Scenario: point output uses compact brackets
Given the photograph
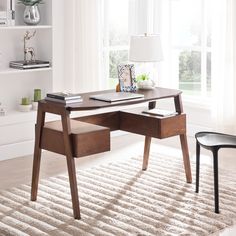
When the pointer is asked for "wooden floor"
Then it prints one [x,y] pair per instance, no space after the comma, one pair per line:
[18,171]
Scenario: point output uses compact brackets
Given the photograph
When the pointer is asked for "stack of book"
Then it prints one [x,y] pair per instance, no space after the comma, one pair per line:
[65,98]
[7,13]
[22,65]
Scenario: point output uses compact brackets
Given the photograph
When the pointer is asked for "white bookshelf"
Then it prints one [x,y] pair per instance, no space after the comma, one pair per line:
[11,49]
[17,128]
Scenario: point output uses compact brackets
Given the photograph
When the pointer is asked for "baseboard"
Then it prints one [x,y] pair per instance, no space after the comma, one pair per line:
[14,150]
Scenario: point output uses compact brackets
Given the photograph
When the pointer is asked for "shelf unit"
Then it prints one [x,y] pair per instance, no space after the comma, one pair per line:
[21,83]
[17,128]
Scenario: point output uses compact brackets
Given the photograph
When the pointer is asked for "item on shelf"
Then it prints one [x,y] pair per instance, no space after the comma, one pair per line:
[25,105]
[7,16]
[29,50]
[64,95]
[3,18]
[29,64]
[160,112]
[11,13]
[3,110]
[144,82]
[70,101]
[31,12]
[37,97]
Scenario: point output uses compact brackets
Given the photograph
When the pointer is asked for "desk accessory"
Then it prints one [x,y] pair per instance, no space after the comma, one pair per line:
[144,82]
[116,97]
[64,95]
[126,76]
[146,49]
[160,112]
[70,101]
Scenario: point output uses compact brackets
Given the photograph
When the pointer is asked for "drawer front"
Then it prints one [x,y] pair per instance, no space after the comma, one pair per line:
[82,144]
[153,126]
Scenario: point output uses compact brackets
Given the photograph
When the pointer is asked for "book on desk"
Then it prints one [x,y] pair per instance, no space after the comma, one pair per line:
[64,98]
[160,112]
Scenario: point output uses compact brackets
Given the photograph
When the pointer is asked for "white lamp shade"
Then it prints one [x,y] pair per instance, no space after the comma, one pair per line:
[145,48]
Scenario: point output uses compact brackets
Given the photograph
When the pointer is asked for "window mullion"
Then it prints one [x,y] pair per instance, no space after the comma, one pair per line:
[204,50]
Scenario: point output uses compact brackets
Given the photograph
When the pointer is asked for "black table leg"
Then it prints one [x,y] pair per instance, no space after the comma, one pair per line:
[197,165]
[216,183]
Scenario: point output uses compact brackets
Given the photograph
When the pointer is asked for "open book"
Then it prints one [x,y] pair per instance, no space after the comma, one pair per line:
[160,112]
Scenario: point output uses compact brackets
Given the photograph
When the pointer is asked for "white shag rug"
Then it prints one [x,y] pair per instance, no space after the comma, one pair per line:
[120,199]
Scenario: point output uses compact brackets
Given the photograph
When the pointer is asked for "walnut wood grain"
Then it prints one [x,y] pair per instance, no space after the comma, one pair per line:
[37,153]
[89,104]
[183,141]
[86,138]
[146,151]
[110,120]
[74,141]
[70,163]
[135,121]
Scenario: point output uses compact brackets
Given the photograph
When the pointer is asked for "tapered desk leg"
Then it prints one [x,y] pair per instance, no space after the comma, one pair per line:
[70,164]
[187,167]
[146,152]
[147,143]
[37,153]
[184,143]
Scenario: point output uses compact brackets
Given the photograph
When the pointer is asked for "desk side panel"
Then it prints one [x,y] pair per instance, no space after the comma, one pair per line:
[152,126]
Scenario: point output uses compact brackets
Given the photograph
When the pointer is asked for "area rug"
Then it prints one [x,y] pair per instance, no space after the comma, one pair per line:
[120,199]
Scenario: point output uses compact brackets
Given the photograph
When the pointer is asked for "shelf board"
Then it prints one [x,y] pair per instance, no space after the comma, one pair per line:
[13,71]
[25,27]
[14,117]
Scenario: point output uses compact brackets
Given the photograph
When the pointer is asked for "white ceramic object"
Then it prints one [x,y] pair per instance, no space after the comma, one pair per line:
[25,108]
[35,106]
[146,84]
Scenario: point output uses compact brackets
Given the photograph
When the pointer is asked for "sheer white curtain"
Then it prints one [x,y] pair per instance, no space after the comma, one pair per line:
[84,46]
[152,17]
[224,65]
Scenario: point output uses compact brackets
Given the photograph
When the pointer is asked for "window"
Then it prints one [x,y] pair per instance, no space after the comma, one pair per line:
[190,22]
[116,42]
[189,34]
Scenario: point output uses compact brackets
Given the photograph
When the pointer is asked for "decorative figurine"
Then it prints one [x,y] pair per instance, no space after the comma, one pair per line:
[29,50]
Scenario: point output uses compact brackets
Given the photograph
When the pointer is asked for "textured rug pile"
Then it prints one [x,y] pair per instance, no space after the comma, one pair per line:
[120,199]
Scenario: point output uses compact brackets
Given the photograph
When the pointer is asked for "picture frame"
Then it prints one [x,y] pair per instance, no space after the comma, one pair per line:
[126,76]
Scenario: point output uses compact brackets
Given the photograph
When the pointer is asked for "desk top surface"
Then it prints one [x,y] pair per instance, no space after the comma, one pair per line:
[89,104]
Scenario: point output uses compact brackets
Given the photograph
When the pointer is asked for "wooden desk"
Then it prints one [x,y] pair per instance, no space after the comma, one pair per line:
[131,121]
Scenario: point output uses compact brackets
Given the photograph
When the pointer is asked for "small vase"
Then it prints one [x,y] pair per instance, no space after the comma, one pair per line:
[32,15]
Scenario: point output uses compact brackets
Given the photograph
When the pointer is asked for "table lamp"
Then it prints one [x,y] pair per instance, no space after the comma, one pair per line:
[145,48]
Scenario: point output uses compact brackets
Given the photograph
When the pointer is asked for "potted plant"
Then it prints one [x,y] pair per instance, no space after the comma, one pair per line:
[37,97]
[25,104]
[31,13]
[144,82]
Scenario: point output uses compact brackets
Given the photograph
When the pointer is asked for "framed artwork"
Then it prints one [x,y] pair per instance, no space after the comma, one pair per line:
[126,76]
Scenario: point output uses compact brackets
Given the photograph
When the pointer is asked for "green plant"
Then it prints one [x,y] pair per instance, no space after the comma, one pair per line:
[37,95]
[25,101]
[30,2]
[142,77]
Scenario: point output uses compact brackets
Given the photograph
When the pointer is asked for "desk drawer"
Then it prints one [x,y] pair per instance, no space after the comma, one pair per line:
[153,126]
[86,139]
